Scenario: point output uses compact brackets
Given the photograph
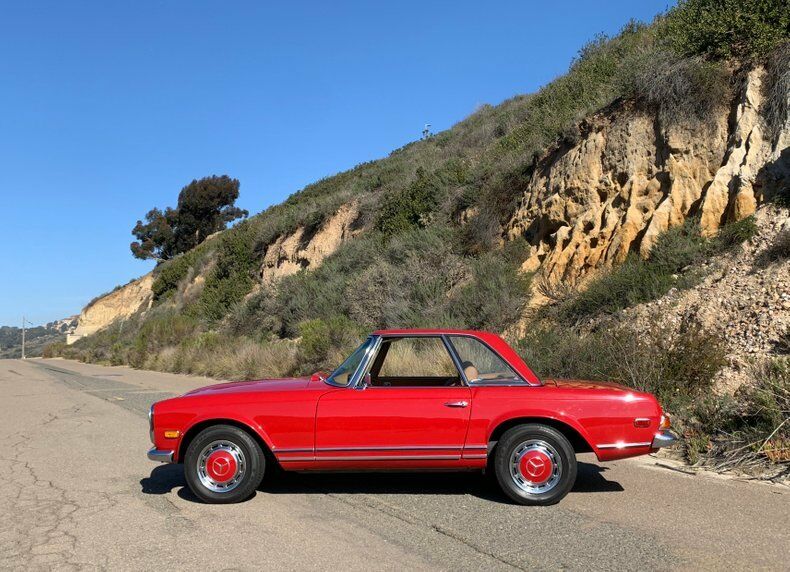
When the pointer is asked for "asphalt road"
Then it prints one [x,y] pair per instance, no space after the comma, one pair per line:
[78,493]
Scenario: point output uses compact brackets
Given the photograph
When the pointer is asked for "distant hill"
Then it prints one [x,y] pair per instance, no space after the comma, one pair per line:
[36,338]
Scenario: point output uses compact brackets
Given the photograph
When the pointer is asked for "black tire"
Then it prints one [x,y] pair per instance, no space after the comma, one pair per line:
[540,450]
[228,449]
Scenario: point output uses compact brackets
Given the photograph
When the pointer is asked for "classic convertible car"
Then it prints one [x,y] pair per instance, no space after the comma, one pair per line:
[407,400]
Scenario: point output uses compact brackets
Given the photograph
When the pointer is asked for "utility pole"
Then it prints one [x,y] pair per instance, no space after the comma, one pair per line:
[24,321]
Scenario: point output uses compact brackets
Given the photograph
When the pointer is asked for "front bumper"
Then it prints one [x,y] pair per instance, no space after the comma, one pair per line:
[160,455]
[664,439]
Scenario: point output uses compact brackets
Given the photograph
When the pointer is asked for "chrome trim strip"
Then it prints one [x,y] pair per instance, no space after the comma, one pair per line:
[475,456]
[622,445]
[403,448]
[462,449]
[160,455]
[392,458]
[289,459]
[664,439]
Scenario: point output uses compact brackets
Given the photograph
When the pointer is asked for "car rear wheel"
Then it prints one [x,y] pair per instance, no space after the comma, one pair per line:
[223,464]
[535,464]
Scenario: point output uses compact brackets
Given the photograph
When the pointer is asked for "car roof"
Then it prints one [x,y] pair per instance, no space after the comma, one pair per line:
[418,331]
[493,340]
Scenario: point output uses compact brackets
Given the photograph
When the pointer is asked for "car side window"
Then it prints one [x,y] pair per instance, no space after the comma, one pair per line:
[480,363]
[414,362]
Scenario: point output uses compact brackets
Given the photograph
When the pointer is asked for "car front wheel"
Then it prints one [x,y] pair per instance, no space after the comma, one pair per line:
[223,464]
[535,464]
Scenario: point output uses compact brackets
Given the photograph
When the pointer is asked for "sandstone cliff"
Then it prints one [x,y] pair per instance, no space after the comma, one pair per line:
[631,177]
[292,252]
[119,304]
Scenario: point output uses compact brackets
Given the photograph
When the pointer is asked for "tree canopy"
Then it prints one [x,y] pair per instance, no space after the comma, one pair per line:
[205,206]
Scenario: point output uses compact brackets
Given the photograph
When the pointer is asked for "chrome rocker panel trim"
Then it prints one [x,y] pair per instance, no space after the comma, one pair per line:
[622,445]
[160,455]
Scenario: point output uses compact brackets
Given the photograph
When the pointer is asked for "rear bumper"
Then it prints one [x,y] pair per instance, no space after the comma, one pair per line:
[160,455]
[664,439]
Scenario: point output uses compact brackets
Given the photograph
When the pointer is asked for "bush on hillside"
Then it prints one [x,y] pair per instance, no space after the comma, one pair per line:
[676,366]
[750,430]
[323,345]
[411,207]
[685,90]
[726,28]
[638,280]
[232,276]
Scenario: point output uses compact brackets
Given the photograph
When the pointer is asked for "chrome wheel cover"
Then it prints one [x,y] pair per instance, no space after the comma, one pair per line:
[545,453]
[227,451]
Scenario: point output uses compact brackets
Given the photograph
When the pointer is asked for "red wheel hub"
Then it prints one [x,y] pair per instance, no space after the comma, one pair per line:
[221,466]
[536,467]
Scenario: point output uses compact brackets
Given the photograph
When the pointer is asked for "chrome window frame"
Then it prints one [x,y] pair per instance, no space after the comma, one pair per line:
[373,342]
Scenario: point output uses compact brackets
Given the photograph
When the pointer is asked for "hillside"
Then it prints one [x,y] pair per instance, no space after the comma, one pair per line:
[36,338]
[603,223]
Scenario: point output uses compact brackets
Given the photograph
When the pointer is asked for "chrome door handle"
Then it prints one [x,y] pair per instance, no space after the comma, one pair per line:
[457,404]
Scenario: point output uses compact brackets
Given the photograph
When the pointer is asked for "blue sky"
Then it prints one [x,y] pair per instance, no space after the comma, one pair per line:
[109,108]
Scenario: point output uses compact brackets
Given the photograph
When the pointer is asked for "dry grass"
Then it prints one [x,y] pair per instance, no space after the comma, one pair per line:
[227,358]
[418,357]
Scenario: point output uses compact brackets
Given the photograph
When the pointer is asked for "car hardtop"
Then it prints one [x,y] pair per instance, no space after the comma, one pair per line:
[492,341]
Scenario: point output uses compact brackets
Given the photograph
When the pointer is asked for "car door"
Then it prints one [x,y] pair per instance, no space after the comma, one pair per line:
[411,410]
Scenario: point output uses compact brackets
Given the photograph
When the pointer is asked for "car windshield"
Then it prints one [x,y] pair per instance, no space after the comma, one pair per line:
[343,374]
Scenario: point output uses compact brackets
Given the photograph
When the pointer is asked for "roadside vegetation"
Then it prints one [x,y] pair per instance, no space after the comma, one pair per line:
[431,251]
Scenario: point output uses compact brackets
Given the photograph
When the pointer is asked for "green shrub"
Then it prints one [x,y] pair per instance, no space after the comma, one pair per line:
[409,208]
[736,233]
[232,276]
[677,366]
[638,280]
[726,28]
[164,328]
[495,296]
[324,344]
[169,275]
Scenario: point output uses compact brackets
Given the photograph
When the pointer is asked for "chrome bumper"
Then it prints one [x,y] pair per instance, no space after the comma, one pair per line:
[160,455]
[664,439]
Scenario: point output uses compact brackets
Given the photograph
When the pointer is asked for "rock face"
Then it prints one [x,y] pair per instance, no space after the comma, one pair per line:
[630,178]
[745,299]
[291,253]
[117,305]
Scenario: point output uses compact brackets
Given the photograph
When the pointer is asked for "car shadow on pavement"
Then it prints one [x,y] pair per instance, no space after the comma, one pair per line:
[166,478]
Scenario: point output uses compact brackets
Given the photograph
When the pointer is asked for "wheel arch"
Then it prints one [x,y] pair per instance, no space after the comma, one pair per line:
[195,429]
[577,440]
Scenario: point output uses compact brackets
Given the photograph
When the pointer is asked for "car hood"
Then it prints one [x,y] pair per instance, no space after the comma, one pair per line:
[586,384]
[261,385]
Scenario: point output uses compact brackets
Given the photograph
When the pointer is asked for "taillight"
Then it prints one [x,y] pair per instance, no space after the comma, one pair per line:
[664,424]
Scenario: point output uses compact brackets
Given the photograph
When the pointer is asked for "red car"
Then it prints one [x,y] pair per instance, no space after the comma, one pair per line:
[407,399]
